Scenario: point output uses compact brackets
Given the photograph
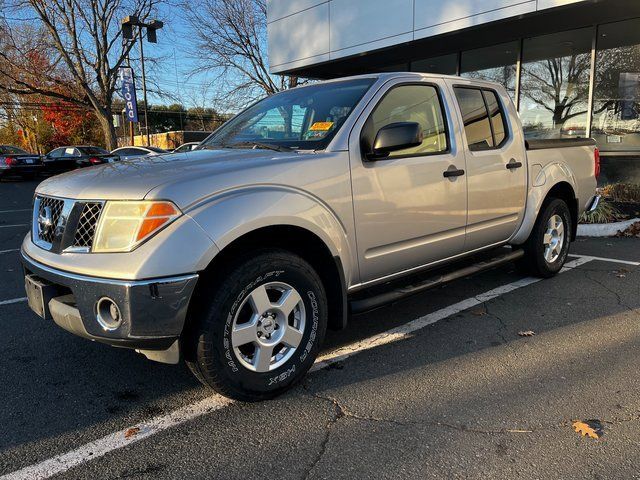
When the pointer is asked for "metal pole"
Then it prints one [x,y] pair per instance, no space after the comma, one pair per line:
[144,88]
[592,81]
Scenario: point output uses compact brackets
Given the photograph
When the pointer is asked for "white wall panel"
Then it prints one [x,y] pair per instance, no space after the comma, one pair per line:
[435,12]
[301,36]
[307,32]
[281,8]
[356,22]
[478,19]
[542,4]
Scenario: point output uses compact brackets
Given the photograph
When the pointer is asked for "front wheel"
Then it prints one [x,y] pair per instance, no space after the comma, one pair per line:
[547,247]
[258,331]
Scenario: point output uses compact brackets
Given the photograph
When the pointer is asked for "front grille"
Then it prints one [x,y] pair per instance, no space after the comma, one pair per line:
[63,225]
[87,224]
[55,206]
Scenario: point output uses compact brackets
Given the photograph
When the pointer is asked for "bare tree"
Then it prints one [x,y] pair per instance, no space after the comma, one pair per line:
[230,42]
[559,85]
[72,56]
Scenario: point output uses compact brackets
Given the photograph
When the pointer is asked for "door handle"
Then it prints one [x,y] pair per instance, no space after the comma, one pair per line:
[453,172]
[513,164]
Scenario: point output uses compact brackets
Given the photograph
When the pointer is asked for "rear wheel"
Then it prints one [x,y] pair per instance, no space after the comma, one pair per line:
[547,247]
[259,331]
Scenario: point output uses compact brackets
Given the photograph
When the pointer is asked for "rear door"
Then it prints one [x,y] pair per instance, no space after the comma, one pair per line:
[496,166]
[407,213]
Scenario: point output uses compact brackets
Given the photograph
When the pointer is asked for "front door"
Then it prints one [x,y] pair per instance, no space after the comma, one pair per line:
[407,212]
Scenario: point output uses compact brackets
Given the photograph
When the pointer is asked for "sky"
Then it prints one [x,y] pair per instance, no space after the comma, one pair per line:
[172,73]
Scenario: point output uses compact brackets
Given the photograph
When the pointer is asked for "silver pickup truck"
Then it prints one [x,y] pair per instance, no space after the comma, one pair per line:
[310,205]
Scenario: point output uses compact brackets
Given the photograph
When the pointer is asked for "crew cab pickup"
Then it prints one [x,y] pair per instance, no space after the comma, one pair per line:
[314,203]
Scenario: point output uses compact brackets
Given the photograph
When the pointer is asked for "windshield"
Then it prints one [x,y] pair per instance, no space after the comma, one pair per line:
[156,150]
[9,150]
[304,118]
[93,151]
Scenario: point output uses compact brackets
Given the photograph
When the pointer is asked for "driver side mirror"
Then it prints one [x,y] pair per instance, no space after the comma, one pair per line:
[394,137]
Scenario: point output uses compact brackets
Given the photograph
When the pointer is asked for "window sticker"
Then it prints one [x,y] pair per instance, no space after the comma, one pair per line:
[321,127]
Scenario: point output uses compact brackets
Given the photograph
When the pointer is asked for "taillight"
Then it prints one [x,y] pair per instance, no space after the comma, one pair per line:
[95,161]
[596,161]
[10,161]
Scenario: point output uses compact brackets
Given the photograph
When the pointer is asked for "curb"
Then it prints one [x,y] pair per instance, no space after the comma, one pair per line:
[604,229]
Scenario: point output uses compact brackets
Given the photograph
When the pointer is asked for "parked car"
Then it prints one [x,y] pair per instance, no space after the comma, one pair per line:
[130,153]
[16,162]
[63,159]
[237,257]
[186,147]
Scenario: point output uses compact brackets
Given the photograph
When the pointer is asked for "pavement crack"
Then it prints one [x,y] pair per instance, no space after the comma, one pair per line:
[604,286]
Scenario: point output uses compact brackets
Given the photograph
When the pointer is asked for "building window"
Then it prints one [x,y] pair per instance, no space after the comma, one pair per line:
[495,64]
[414,103]
[616,102]
[445,65]
[554,93]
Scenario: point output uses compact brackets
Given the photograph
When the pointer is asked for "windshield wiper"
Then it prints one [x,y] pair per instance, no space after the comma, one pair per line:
[255,145]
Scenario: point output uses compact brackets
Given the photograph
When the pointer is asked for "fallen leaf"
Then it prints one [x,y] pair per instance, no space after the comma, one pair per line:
[478,312]
[621,272]
[131,432]
[527,333]
[589,428]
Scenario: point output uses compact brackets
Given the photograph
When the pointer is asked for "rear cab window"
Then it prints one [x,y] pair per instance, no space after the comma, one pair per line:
[484,118]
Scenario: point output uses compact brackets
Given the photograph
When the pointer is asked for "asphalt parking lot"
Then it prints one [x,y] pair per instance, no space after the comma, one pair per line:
[438,386]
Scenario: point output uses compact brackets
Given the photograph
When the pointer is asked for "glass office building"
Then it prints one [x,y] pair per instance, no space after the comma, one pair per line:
[583,82]
[571,66]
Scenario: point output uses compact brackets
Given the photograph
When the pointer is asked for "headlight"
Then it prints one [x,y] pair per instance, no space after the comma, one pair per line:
[125,225]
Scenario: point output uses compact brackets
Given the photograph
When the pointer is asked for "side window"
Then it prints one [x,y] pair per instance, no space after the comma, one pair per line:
[497,117]
[483,117]
[477,126]
[57,153]
[414,103]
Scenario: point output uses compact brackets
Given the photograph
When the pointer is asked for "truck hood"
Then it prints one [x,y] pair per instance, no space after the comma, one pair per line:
[134,179]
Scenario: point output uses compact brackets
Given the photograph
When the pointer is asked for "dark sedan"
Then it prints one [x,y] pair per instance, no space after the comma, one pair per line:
[63,159]
[15,162]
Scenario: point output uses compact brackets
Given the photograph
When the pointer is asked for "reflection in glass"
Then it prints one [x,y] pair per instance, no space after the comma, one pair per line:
[555,84]
[616,104]
[446,65]
[495,64]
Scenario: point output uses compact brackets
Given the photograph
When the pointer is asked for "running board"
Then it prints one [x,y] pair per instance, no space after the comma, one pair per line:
[370,303]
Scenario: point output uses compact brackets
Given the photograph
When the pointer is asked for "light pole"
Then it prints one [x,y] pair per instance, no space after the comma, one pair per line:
[127,34]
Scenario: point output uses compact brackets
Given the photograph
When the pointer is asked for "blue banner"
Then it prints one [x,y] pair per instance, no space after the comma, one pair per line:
[128,92]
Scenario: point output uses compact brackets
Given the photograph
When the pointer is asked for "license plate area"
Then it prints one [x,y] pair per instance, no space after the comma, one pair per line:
[39,293]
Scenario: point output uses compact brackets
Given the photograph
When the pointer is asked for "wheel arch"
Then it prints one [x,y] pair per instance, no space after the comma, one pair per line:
[299,241]
[540,195]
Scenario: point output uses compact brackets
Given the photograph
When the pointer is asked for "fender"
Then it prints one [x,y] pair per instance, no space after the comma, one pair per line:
[231,214]
[548,177]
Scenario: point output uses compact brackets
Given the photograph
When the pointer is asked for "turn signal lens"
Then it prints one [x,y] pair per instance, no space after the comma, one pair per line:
[10,161]
[125,225]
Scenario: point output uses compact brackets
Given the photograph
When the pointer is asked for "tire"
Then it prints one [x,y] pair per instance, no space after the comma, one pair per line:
[547,247]
[239,319]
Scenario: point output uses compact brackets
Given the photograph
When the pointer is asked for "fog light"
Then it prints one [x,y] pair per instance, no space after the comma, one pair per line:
[108,314]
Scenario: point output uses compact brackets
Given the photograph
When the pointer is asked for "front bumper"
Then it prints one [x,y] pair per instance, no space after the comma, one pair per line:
[153,311]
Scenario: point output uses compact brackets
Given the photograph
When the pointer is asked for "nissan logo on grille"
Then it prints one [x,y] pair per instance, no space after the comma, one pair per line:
[45,222]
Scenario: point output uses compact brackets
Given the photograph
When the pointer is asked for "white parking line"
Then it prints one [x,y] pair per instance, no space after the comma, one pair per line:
[8,251]
[17,210]
[13,300]
[117,440]
[406,330]
[18,225]
[605,259]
